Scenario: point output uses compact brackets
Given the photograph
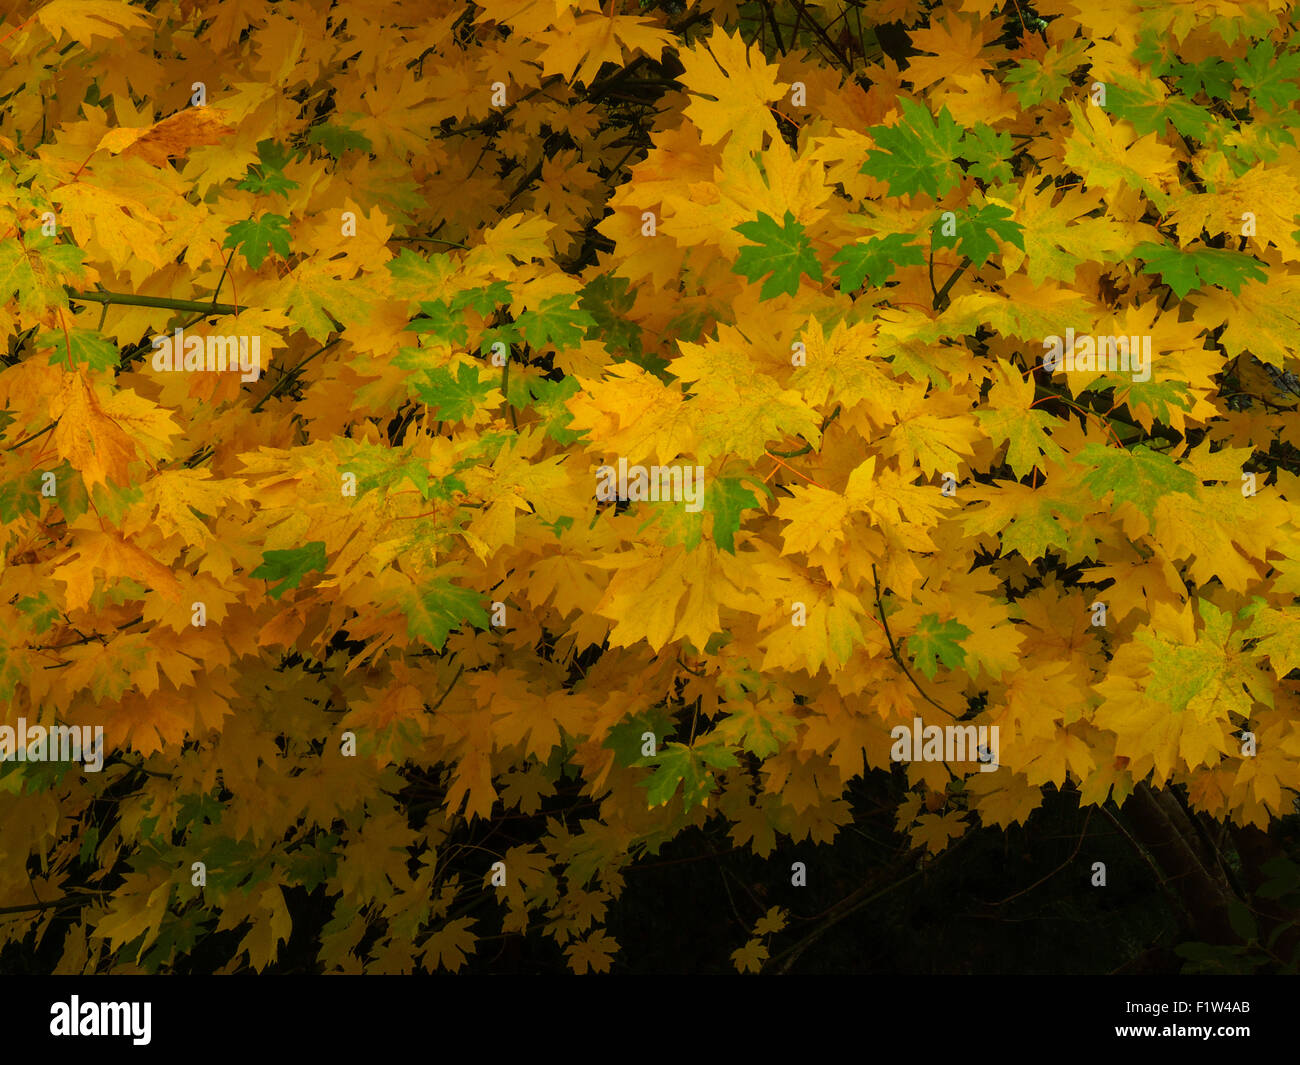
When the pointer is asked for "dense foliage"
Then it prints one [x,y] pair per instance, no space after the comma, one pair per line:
[360,625]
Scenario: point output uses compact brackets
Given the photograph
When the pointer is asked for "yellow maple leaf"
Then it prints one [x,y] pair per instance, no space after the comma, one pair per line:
[957,44]
[173,136]
[742,85]
[119,226]
[577,48]
[750,957]
[1108,157]
[84,20]
[593,953]
[447,947]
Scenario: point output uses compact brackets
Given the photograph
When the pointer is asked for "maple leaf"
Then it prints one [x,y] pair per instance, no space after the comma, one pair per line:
[959,44]
[1147,107]
[554,322]
[118,559]
[256,237]
[316,299]
[875,260]
[439,608]
[741,84]
[442,320]
[448,946]
[725,498]
[337,139]
[172,136]
[918,154]
[750,957]
[453,397]
[1269,76]
[759,728]
[270,927]
[267,174]
[1108,158]
[83,20]
[771,922]
[135,914]
[1136,475]
[290,566]
[934,641]
[676,763]
[593,953]
[783,251]
[92,432]
[1013,420]
[576,49]
[973,227]
[81,346]
[36,269]
[123,226]
[1278,633]
[935,832]
[1185,270]
[1171,693]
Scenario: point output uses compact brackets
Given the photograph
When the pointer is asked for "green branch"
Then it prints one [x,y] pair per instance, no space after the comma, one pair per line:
[128,299]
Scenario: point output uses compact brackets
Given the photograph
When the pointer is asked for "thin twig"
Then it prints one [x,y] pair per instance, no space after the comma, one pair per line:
[893,649]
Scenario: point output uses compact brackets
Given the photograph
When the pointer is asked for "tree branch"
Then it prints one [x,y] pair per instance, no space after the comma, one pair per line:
[128,299]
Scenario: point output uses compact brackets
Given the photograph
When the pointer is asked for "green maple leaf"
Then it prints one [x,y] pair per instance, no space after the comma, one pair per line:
[484,298]
[414,276]
[547,398]
[725,498]
[782,251]
[758,727]
[453,398]
[556,322]
[1278,632]
[988,153]
[875,260]
[1161,396]
[289,567]
[1183,271]
[973,228]
[505,333]
[1139,102]
[267,175]
[312,864]
[88,347]
[936,641]
[1270,78]
[440,608]
[919,154]
[607,299]
[1136,475]
[20,496]
[338,139]
[689,766]
[1211,76]
[442,321]
[377,467]
[1026,434]
[37,268]
[626,738]
[254,237]
[310,297]
[41,611]
[1033,83]
[1155,50]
